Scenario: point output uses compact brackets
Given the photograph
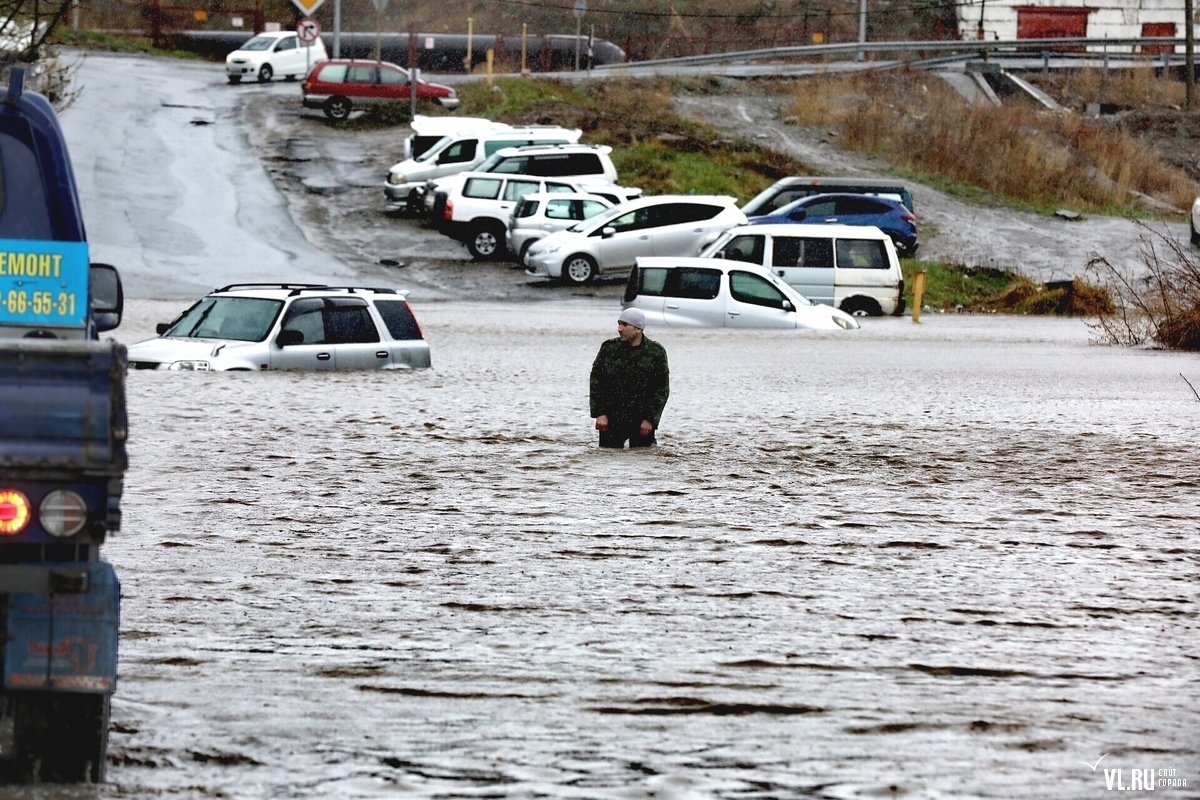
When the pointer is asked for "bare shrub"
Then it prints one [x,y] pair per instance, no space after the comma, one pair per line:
[1160,305]
[1140,86]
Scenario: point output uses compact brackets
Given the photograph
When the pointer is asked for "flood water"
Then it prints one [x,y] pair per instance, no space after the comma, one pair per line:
[952,560]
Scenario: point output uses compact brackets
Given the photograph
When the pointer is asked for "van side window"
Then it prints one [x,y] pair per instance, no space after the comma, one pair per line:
[334,73]
[361,74]
[459,152]
[861,254]
[746,287]
[796,251]
[651,281]
[693,283]
[745,248]
[392,77]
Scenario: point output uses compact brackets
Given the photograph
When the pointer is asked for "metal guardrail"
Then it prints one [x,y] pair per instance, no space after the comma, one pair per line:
[982,46]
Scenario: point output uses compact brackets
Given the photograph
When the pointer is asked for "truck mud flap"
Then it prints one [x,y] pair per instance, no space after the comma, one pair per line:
[65,642]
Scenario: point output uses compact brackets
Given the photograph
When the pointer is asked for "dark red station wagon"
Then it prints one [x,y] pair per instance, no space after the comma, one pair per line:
[339,86]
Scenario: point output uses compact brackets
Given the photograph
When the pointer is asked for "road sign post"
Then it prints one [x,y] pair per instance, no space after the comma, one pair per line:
[579,10]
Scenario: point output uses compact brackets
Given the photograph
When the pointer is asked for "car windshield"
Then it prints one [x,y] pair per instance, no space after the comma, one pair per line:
[490,162]
[432,152]
[240,319]
[259,43]
[597,222]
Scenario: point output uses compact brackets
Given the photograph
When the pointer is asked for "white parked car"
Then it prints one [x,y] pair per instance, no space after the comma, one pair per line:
[538,215]
[461,151]
[478,211]
[718,293]
[591,161]
[271,55]
[1196,221]
[258,326]
[666,225]
[852,267]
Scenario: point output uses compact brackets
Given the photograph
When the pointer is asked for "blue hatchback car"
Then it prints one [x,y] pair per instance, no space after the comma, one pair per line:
[889,216]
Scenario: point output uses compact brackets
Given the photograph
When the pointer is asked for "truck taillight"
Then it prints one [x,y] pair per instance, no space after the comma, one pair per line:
[14,512]
[63,513]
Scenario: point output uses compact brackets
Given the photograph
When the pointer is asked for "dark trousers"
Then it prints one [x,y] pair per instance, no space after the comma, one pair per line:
[617,435]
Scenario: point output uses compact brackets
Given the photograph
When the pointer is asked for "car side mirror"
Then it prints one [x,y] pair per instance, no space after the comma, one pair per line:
[162,328]
[107,296]
[719,254]
[288,338]
[797,215]
[608,232]
[787,306]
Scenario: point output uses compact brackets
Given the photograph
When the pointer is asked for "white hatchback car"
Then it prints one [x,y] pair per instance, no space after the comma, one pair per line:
[718,293]
[259,326]
[666,225]
[271,55]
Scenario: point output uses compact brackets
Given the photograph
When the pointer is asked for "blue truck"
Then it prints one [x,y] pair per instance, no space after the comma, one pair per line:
[62,457]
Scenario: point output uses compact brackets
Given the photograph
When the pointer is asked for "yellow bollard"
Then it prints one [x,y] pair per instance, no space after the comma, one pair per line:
[491,58]
[918,294]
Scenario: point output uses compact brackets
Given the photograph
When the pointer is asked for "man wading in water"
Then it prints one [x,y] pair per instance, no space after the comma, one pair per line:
[630,384]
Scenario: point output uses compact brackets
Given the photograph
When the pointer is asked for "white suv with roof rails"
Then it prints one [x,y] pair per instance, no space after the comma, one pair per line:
[592,161]
[260,326]
[477,213]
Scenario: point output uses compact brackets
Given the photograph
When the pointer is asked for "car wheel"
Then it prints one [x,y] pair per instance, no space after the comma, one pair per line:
[235,79]
[528,243]
[861,307]
[486,242]
[265,74]
[579,269]
[1195,233]
[337,108]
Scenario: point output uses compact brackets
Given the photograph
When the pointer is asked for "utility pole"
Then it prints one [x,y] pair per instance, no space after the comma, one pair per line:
[1190,51]
[862,30]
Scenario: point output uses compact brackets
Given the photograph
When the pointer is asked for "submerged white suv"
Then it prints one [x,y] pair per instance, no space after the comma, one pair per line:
[259,326]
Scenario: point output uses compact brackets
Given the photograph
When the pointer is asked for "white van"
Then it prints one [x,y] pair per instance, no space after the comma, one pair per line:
[272,55]
[850,267]
[462,151]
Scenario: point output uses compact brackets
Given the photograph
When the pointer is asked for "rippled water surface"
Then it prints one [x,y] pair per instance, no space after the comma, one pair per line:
[951,560]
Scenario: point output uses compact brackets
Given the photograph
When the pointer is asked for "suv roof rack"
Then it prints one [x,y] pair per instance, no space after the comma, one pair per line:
[272,285]
[350,289]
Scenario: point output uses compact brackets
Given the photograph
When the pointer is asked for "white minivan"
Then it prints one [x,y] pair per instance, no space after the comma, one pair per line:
[850,267]
[462,151]
[271,55]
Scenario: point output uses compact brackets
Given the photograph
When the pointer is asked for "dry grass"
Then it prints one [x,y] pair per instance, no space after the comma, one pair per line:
[1130,87]
[1018,153]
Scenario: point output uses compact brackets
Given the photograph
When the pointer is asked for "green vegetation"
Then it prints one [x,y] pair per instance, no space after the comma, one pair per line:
[115,43]
[956,287]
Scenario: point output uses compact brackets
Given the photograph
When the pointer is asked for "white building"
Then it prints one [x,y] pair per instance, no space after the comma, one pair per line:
[1113,19]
